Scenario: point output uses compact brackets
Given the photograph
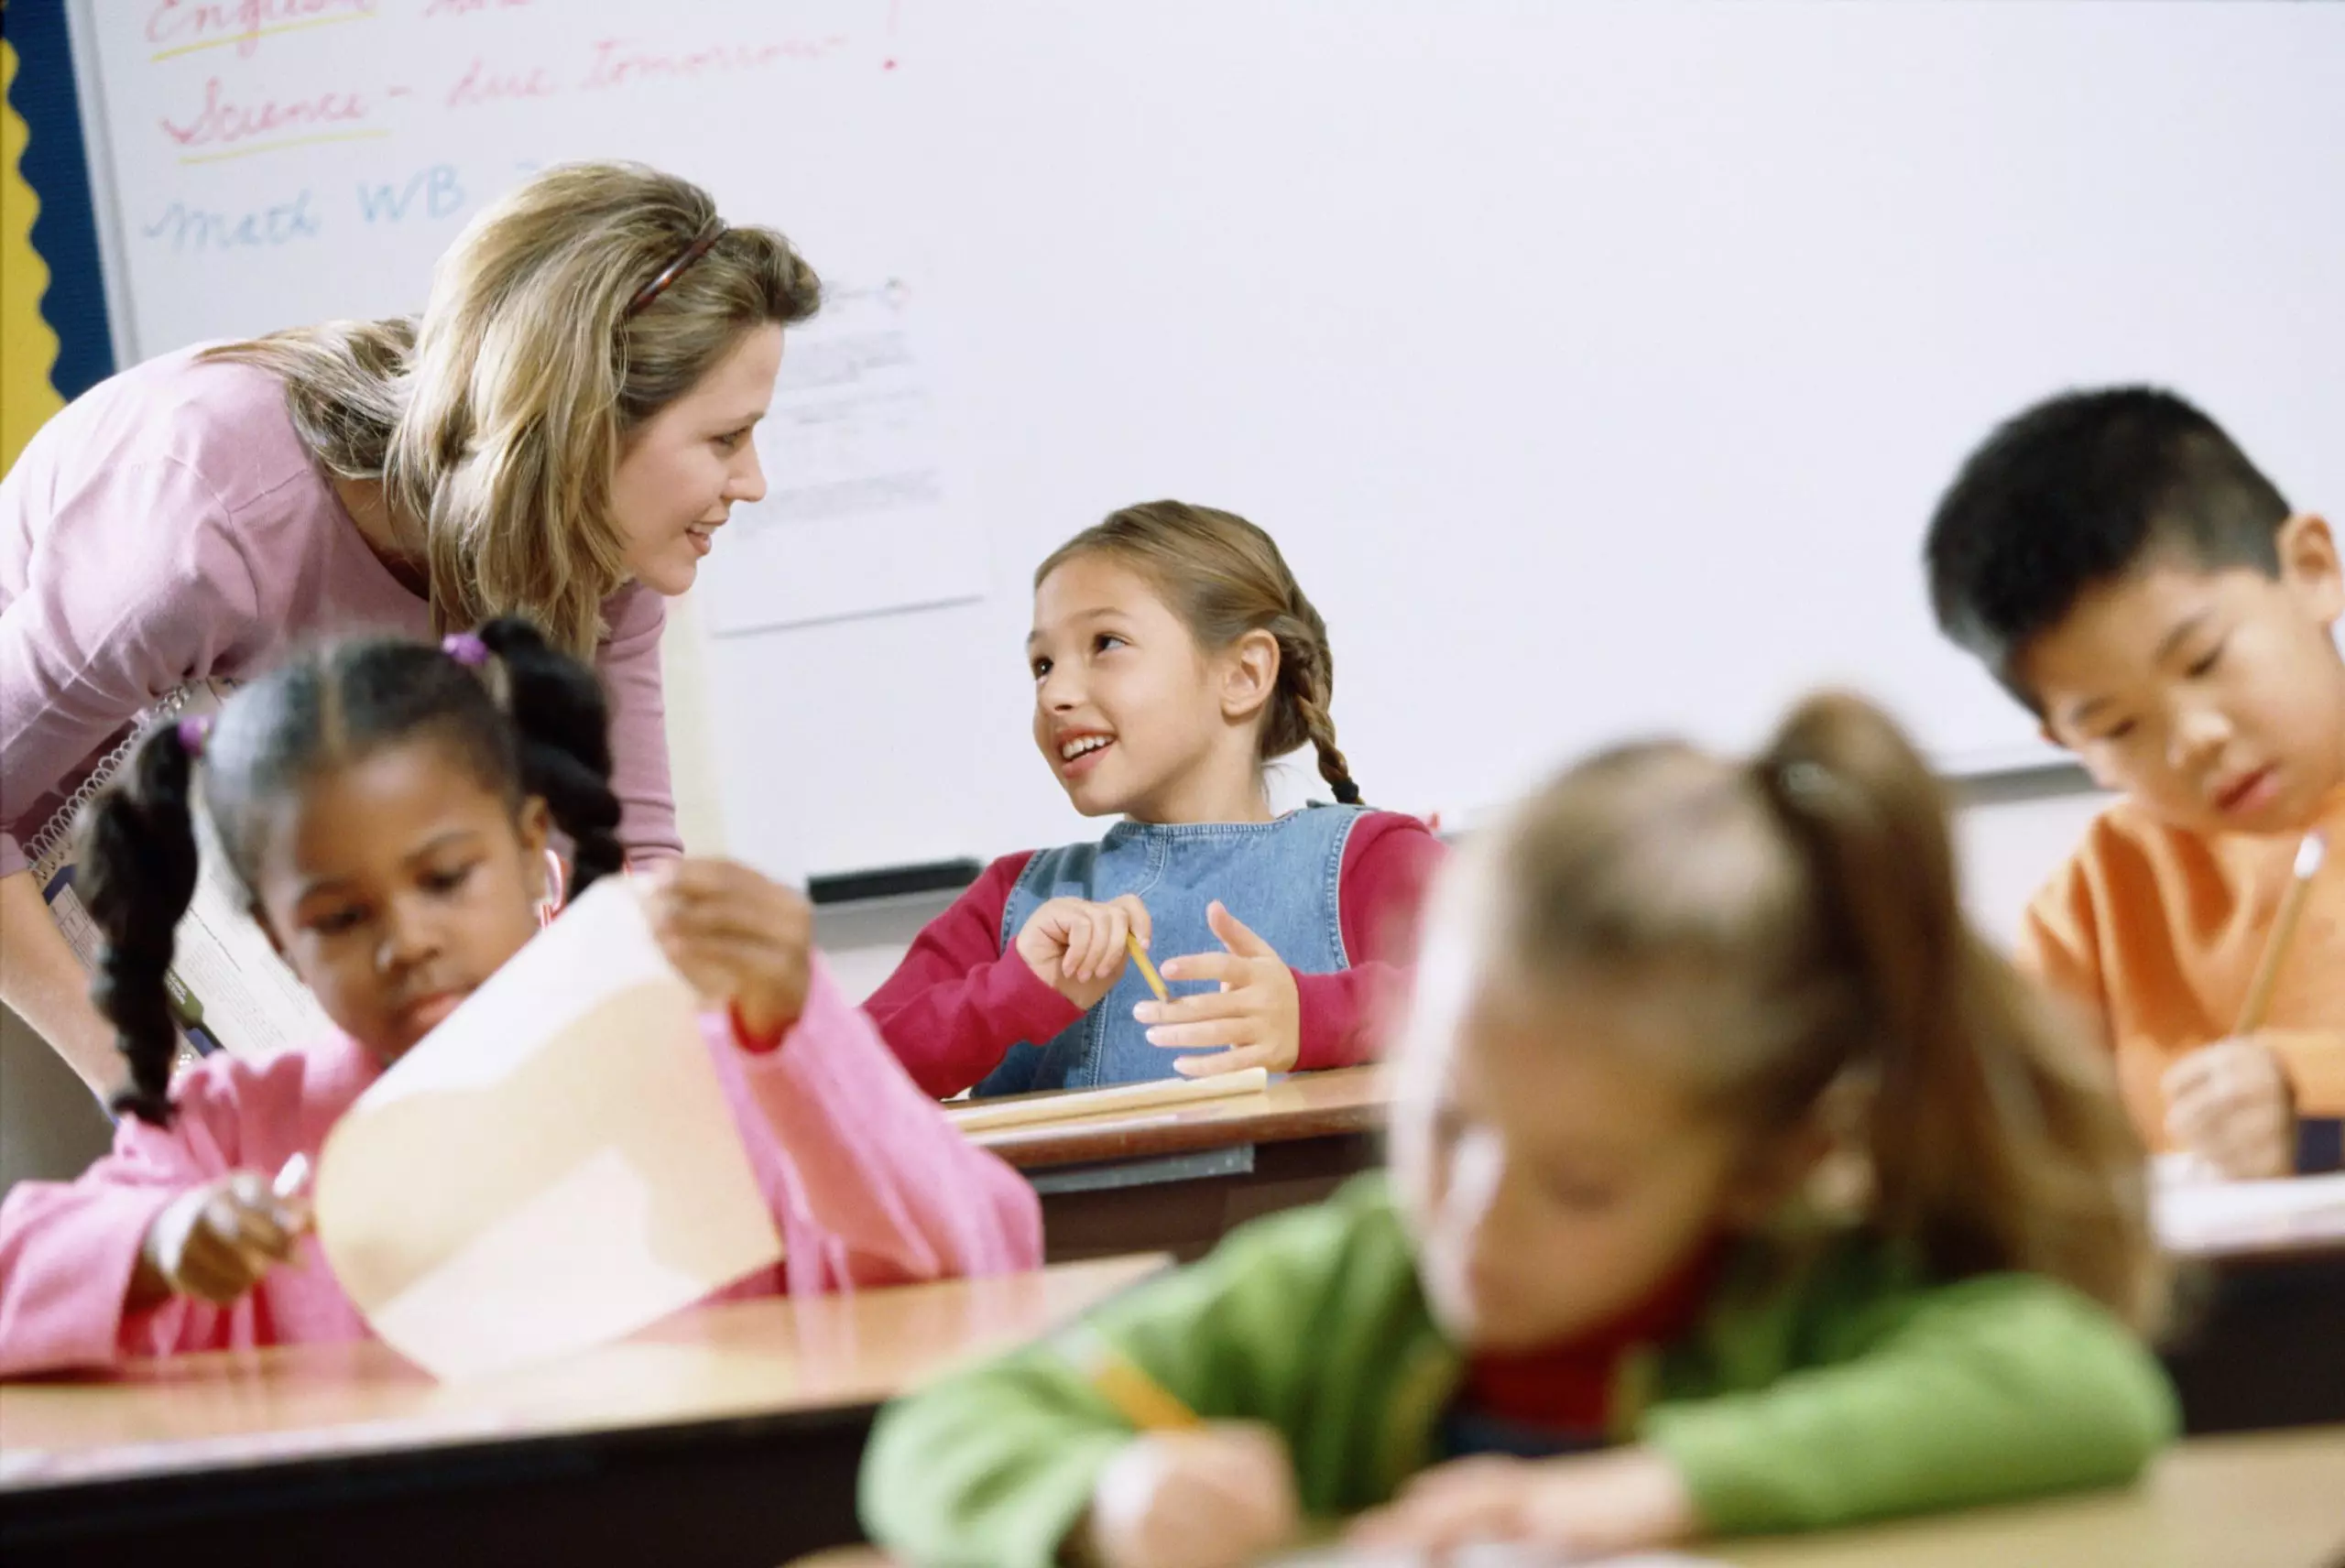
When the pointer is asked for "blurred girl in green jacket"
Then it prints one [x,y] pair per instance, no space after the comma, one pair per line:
[1736,1186]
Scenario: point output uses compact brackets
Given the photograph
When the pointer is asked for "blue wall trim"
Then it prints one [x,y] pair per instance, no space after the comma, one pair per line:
[56,165]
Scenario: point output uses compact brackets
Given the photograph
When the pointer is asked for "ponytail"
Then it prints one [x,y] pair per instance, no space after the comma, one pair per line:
[137,877]
[1994,1137]
[561,731]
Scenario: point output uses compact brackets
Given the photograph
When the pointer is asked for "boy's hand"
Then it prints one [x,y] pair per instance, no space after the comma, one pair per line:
[1256,1014]
[1076,947]
[2230,1104]
[737,936]
[1218,1497]
[1597,1503]
[216,1242]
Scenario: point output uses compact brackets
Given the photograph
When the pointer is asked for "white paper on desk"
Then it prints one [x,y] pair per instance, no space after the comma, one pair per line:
[1489,1556]
[554,1167]
[2209,1215]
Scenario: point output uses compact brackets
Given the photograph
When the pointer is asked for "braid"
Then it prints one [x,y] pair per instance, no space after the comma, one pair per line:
[1333,766]
[562,725]
[1307,673]
[137,877]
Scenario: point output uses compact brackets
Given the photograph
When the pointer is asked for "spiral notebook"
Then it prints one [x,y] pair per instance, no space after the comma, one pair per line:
[229,988]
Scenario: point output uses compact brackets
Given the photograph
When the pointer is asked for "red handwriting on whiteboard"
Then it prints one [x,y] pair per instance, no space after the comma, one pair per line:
[485,83]
[466,7]
[620,63]
[191,24]
[224,122]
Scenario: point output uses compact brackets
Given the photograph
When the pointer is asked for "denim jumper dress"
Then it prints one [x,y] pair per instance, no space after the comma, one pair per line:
[1278,878]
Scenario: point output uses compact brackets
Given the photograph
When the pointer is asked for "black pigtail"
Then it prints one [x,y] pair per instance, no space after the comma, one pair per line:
[137,877]
[563,729]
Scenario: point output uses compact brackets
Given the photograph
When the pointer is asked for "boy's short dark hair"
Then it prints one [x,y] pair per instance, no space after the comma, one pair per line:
[2078,490]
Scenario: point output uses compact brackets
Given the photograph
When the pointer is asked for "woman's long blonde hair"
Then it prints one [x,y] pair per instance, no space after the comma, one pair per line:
[1805,905]
[498,419]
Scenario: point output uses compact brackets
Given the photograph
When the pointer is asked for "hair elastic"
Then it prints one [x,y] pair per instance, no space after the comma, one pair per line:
[465,648]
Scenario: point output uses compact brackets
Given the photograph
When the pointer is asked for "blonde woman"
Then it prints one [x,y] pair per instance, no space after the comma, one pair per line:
[559,435]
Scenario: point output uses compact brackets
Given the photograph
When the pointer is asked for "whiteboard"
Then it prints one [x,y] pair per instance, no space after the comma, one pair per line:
[1595,365]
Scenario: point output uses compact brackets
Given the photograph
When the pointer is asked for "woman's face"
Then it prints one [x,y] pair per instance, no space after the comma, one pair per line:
[681,470]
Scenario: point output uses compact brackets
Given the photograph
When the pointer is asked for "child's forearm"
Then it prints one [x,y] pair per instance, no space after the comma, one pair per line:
[69,1261]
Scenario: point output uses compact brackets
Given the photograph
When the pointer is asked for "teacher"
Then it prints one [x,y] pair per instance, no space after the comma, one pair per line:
[559,435]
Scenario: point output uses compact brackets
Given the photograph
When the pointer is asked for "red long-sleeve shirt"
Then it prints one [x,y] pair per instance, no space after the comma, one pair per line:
[959,1001]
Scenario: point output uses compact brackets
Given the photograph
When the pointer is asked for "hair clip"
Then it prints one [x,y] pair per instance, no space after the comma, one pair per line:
[673,271]
[193,731]
[465,648]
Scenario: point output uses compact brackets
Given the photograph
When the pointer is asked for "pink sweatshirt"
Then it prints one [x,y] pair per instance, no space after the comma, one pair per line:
[869,1183]
[166,526]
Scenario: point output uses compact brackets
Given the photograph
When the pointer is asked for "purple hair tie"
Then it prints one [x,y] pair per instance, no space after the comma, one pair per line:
[465,648]
[193,731]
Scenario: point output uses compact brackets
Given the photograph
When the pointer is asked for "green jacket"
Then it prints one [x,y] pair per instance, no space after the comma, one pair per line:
[1843,1389]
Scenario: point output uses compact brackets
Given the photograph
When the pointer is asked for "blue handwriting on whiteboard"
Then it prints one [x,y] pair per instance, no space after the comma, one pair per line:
[187,228]
[429,192]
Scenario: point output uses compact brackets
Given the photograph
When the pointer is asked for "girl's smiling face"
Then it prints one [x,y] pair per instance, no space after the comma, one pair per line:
[394,884]
[1134,718]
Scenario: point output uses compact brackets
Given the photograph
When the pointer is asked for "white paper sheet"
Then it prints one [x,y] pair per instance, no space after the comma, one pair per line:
[554,1167]
[2210,1215]
[858,517]
[1486,1557]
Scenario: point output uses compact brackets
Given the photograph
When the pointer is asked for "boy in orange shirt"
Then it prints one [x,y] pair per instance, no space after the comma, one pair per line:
[2126,572]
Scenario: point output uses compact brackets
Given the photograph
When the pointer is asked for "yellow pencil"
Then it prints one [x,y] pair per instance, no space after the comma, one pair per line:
[2283,931]
[1138,1398]
[1147,969]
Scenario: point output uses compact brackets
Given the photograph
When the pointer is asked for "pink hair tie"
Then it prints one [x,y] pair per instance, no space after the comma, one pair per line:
[193,731]
[465,648]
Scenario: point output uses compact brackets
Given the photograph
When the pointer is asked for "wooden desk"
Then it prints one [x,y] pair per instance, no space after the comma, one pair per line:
[726,1436]
[2259,1340]
[2269,1501]
[1177,1181]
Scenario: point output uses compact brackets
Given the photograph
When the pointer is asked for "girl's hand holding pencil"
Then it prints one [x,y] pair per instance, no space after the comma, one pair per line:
[1079,949]
[216,1242]
[1204,1496]
[1184,1493]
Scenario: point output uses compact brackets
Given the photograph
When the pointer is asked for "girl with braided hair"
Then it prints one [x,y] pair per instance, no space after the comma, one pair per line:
[385,804]
[1174,657]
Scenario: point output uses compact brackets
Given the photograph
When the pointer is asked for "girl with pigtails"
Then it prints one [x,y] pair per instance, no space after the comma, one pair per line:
[1174,657]
[385,806]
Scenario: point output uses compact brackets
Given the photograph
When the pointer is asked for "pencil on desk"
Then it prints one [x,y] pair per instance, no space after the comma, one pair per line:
[2309,855]
[1147,969]
[1138,1398]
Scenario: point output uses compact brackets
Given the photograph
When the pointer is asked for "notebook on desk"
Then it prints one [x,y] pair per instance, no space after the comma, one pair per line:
[1062,1104]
